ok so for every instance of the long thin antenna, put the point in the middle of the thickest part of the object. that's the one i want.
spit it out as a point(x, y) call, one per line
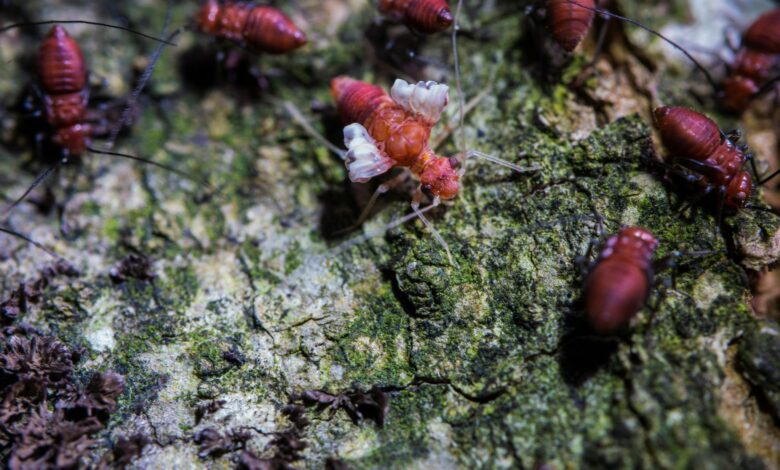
point(38, 180)
point(184, 174)
point(499, 161)
point(94, 23)
point(142, 81)
point(767, 178)
point(293, 111)
point(461, 98)
point(652, 31)
point(30, 241)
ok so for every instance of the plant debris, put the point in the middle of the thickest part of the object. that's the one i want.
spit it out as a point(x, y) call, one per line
point(132, 266)
point(30, 292)
point(125, 451)
point(212, 443)
point(205, 409)
point(358, 405)
point(48, 418)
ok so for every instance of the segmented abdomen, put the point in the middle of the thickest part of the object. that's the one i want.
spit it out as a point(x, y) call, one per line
point(261, 28)
point(568, 22)
point(425, 16)
point(618, 286)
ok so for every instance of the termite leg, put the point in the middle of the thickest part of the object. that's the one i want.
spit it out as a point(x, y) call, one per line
point(418, 196)
point(599, 45)
point(381, 189)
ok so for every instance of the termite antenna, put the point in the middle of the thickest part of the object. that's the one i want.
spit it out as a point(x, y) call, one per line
point(142, 81)
point(163, 166)
point(38, 180)
point(767, 86)
point(652, 31)
point(367, 236)
point(33, 243)
point(94, 23)
point(458, 85)
point(499, 161)
point(296, 114)
point(767, 178)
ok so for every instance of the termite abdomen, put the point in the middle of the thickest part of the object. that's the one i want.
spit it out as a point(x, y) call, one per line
point(261, 28)
point(61, 66)
point(425, 16)
point(764, 34)
point(617, 287)
point(63, 78)
point(687, 133)
point(569, 22)
point(357, 100)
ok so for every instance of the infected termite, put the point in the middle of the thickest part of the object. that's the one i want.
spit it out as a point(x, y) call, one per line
point(259, 28)
point(386, 131)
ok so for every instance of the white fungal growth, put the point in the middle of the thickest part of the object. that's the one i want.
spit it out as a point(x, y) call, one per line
point(364, 160)
point(426, 99)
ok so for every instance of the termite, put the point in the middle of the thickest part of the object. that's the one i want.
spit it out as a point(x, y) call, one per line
point(569, 23)
point(64, 93)
point(618, 283)
point(697, 144)
point(757, 57)
point(423, 16)
point(386, 131)
point(258, 28)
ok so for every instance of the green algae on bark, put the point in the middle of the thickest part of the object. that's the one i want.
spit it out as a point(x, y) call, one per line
point(486, 363)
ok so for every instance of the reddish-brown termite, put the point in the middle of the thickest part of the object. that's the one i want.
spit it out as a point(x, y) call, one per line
point(64, 94)
point(424, 16)
point(757, 57)
point(713, 161)
point(618, 283)
point(258, 28)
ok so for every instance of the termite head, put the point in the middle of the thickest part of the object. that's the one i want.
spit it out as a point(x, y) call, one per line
point(208, 16)
point(738, 191)
point(737, 91)
point(440, 178)
point(74, 139)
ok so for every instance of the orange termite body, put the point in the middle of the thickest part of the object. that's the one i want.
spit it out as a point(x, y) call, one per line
point(63, 80)
point(401, 137)
point(569, 22)
point(760, 53)
point(617, 287)
point(425, 16)
point(695, 142)
point(261, 28)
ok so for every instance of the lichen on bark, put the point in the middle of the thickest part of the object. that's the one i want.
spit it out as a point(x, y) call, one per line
point(486, 363)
